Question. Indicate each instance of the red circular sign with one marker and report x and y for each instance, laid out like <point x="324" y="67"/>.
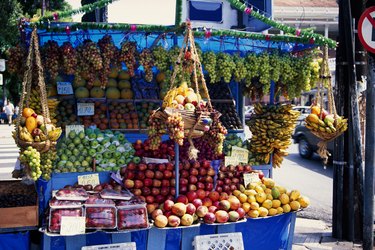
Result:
<point x="366" y="29"/>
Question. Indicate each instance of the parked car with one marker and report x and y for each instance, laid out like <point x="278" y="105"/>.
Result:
<point x="248" y="112"/>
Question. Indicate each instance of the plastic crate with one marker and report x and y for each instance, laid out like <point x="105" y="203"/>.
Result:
<point x="219" y="242"/>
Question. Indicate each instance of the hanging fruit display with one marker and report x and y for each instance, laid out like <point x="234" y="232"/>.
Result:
<point x="128" y="55"/>
<point x="147" y="61"/>
<point x="271" y="127"/>
<point x="51" y="58"/>
<point x="68" y="58"/>
<point x="16" y="58"/>
<point x="108" y="52"/>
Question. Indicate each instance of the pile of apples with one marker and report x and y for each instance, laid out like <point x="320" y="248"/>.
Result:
<point x="195" y="206"/>
<point x="165" y="150"/>
<point x="195" y="175"/>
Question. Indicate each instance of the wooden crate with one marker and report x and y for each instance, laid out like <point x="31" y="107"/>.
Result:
<point x="18" y="216"/>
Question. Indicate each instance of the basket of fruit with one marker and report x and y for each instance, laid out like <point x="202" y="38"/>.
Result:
<point x="184" y="113"/>
<point x="35" y="130"/>
<point x="326" y="125"/>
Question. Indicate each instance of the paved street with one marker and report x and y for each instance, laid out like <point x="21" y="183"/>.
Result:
<point x="311" y="179"/>
<point x="8" y="152"/>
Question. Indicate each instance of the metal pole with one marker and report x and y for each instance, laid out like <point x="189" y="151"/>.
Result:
<point x="368" y="216"/>
<point x="176" y="167"/>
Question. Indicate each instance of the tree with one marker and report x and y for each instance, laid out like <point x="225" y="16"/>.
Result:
<point x="10" y="12"/>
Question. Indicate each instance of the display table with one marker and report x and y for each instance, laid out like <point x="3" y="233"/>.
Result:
<point x="264" y="233"/>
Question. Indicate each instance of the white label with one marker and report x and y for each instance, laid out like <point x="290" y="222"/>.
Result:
<point x="241" y="154"/>
<point x="229" y="160"/>
<point x="119" y="246"/>
<point x="75" y="128"/>
<point x="64" y="88"/>
<point x="72" y="225"/>
<point x="89" y="179"/>
<point x="250" y="178"/>
<point x="85" y="109"/>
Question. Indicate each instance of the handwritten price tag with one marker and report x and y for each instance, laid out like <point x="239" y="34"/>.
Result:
<point x="241" y="154"/>
<point x="64" y="88"/>
<point x="85" y="109"/>
<point x="75" y="128"/>
<point x="250" y="178"/>
<point x="88" y="179"/>
<point x="229" y="160"/>
<point x="71" y="225"/>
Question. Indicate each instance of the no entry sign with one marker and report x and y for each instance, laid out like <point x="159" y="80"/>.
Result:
<point x="366" y="29"/>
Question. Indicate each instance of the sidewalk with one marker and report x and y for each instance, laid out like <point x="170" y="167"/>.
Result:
<point x="316" y="235"/>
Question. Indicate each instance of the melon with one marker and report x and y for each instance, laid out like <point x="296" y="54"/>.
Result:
<point x="126" y="94"/>
<point x="97" y="83"/>
<point x="124" y="84"/>
<point x="113" y="93"/>
<point x="82" y="92"/>
<point x="112" y="83"/>
<point x="96" y="92"/>
<point x="113" y="73"/>
<point x="79" y="82"/>
<point x="123" y="75"/>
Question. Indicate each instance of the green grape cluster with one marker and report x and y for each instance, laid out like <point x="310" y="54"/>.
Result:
<point x="46" y="160"/>
<point x="161" y="57"/>
<point x="224" y="67"/>
<point x="209" y="62"/>
<point x="275" y="67"/>
<point x="30" y="157"/>
<point x="252" y="67"/>
<point x="240" y="71"/>
<point x="264" y="71"/>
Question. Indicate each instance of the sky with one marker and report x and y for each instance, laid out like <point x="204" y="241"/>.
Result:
<point x="160" y="12"/>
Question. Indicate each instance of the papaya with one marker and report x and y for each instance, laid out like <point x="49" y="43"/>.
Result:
<point x="31" y="124"/>
<point x="313" y="118"/>
<point x="275" y="192"/>
<point x="27" y="112"/>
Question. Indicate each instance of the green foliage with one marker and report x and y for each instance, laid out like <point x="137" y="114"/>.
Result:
<point x="10" y="12"/>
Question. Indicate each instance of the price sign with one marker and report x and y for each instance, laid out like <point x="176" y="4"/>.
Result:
<point x="71" y="225"/>
<point x="75" y="128"/>
<point x="89" y="179"/>
<point x="250" y="178"/>
<point x="119" y="246"/>
<point x="64" y="88"/>
<point x="241" y="154"/>
<point x="85" y="109"/>
<point x="229" y="160"/>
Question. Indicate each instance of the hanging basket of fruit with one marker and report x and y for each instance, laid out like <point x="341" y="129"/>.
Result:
<point x="184" y="112"/>
<point x="32" y="129"/>
<point x="327" y="125"/>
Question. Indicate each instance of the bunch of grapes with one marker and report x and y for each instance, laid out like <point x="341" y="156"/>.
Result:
<point x="240" y="71"/>
<point x="108" y="51"/>
<point x="264" y="71"/>
<point x="51" y="56"/>
<point x="92" y="55"/>
<point x="155" y="131"/>
<point x="30" y="157"/>
<point x="275" y="67"/>
<point x="314" y="71"/>
<point x="252" y="66"/>
<point x="224" y="67"/>
<point x="69" y="58"/>
<point x="16" y="59"/>
<point x="147" y="61"/>
<point x="209" y="62"/>
<point x="128" y="55"/>
<point x="161" y="58"/>
<point x="47" y="159"/>
<point x="175" y="126"/>
<point x="216" y="135"/>
<point x="83" y="68"/>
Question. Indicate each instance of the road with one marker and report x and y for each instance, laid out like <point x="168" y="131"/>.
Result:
<point x="8" y="152"/>
<point x="311" y="179"/>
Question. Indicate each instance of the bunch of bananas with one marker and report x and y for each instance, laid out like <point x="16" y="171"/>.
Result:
<point x="327" y="124"/>
<point x="25" y="135"/>
<point x="169" y="97"/>
<point x="272" y="127"/>
<point x="35" y="104"/>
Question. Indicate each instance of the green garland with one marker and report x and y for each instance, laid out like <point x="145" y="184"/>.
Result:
<point x="178" y="12"/>
<point x="306" y="34"/>
<point x="84" y="9"/>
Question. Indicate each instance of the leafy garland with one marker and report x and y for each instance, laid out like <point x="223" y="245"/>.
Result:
<point x="307" y="34"/>
<point x="178" y="12"/>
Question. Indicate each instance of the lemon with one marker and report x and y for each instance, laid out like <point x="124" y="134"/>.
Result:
<point x="263" y="212"/>
<point x="294" y="205"/>
<point x="286" y="208"/>
<point x="254" y="206"/>
<point x="284" y="198"/>
<point x="304" y="201"/>
<point x="276" y="203"/>
<point x="253" y="214"/>
<point x="272" y="211"/>
<point x="260" y="197"/>
<point x="267" y="204"/>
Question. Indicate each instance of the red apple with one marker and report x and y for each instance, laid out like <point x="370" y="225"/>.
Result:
<point x="129" y="183"/>
<point x="142" y="167"/>
<point x="219" y="183"/>
<point x="207" y="202"/>
<point x="168" y="213"/>
<point x="197" y="202"/>
<point x="201" y="211"/>
<point x="173" y="191"/>
<point x="209" y="218"/>
<point x="172" y="182"/>
<point x="150" y="199"/>
<point x="261" y="175"/>
<point x="223" y="169"/>
<point x="157" y="183"/>
<point x="201" y="194"/>
<point x="227" y="181"/>
<point x="209" y="179"/>
<point x="140" y="176"/>
<point x="155" y="191"/>
<point x="200" y="185"/>
<point x="192" y="187"/>
<point x="164" y="191"/>
<point x="219" y="189"/>
<point x="190" y="208"/>
<point x="167" y="174"/>
<point x="149" y="174"/>
<point x="129" y="174"/>
<point x="159" y="175"/>
<point x="233" y="187"/>
<point x="137" y="192"/>
<point x="183" y="189"/>
<point x="214" y="196"/>
<point x="182" y="199"/>
<point x="223" y="196"/>
<point x="202" y="172"/>
<point x="191" y="195"/>
<point x="165" y="183"/>
<point x="169" y="166"/>
<point x="156" y="212"/>
<point x="194" y="171"/>
<point x="209" y="186"/>
<point x="186" y="165"/>
<point x="138" y="184"/>
<point x="196" y="164"/>
<point x="147" y="182"/>
<point x="146" y="191"/>
<point x="151" y="166"/>
<point x="247" y="168"/>
<point x="241" y="212"/>
<point x="193" y="179"/>
<point x="212" y="209"/>
<point x="131" y="166"/>
<point x="239" y="168"/>
<point x="184" y="173"/>
<point x="168" y="204"/>
<point x="206" y="164"/>
<point x="159" y="199"/>
<point x="174" y="221"/>
<point x="161" y="167"/>
<point x="211" y="172"/>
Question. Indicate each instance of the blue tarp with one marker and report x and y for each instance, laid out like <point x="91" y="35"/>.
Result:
<point x="15" y="241"/>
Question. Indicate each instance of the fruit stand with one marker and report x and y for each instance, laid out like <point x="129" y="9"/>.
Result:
<point x="149" y="147"/>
